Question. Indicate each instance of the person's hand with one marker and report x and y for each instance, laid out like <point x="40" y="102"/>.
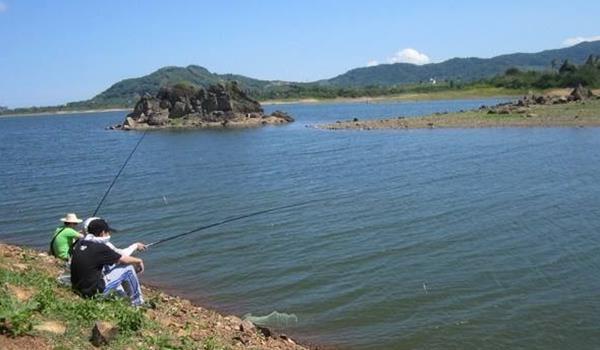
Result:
<point x="140" y="267"/>
<point x="141" y="246"/>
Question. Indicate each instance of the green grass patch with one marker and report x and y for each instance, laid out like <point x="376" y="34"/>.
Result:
<point x="53" y="301"/>
<point x="18" y="317"/>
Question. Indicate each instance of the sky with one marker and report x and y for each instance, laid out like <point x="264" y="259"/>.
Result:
<point x="53" y="52"/>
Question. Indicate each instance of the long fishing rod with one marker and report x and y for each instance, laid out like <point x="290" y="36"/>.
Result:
<point x="119" y="173"/>
<point x="228" y="221"/>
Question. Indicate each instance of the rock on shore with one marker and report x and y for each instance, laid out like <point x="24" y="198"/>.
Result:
<point x="188" y="106"/>
<point x="523" y="105"/>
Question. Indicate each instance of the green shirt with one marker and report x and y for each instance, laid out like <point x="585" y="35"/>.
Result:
<point x="63" y="242"/>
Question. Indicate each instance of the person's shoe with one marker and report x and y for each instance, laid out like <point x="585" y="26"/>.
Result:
<point x="148" y="305"/>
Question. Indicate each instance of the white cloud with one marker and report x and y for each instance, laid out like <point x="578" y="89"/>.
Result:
<point x="3" y="6"/>
<point x="579" y="39"/>
<point x="372" y="63"/>
<point x="409" y="56"/>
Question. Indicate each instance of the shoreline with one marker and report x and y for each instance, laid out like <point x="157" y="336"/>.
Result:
<point x="467" y="93"/>
<point x="475" y="93"/>
<point x="180" y="322"/>
<point x="202" y="301"/>
<point x="408" y="97"/>
<point x="83" y="111"/>
<point x="583" y="113"/>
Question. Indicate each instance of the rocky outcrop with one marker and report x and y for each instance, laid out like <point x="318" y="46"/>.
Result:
<point x="522" y="105"/>
<point x="580" y="94"/>
<point x="183" y="105"/>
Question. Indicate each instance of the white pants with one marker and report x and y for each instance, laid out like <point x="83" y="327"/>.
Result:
<point x="123" y="280"/>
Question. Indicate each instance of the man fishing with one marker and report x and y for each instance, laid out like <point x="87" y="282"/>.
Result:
<point x="132" y="248"/>
<point x="98" y="269"/>
<point x="64" y="236"/>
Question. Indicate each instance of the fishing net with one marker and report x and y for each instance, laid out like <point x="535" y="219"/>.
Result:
<point x="274" y="319"/>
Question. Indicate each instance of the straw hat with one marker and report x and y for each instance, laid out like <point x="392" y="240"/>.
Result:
<point x="71" y="218"/>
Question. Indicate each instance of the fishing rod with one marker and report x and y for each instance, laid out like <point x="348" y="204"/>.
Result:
<point x="119" y="173"/>
<point x="229" y="220"/>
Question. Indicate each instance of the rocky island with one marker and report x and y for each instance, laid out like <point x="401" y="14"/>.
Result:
<point x="188" y="106"/>
<point x="577" y="108"/>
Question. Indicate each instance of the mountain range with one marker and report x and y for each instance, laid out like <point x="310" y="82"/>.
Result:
<point x="128" y="91"/>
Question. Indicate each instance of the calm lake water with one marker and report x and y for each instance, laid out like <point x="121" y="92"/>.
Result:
<point x="419" y="239"/>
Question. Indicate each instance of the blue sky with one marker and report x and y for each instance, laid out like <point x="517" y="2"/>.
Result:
<point x="53" y="52"/>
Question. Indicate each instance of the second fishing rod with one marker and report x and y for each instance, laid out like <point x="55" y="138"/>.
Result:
<point x="228" y="220"/>
<point x="119" y="174"/>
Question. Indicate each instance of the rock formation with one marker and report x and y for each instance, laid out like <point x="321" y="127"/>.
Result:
<point x="522" y="105"/>
<point x="580" y="93"/>
<point x="183" y="105"/>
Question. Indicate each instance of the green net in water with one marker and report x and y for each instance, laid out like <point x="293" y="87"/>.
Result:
<point x="274" y="319"/>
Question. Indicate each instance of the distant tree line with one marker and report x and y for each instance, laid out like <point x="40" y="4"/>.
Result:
<point x="566" y="74"/>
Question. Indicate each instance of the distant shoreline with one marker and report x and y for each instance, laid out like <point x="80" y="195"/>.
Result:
<point x="84" y="111"/>
<point x="424" y="96"/>
<point x="475" y="93"/>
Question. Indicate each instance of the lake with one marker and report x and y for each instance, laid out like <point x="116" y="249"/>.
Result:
<point x="410" y="239"/>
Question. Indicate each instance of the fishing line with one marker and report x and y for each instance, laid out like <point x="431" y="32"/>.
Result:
<point x="119" y="173"/>
<point x="231" y="220"/>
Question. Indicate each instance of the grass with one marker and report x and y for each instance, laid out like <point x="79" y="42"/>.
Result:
<point x="54" y="302"/>
<point x="51" y="301"/>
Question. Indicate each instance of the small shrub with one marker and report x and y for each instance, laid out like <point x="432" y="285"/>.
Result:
<point x="129" y="319"/>
<point x="46" y="297"/>
<point x="15" y="317"/>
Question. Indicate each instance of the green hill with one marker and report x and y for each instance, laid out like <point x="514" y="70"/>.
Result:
<point x="461" y="69"/>
<point x="128" y="91"/>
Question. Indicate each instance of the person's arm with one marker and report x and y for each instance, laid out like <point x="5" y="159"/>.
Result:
<point x="133" y="248"/>
<point x="72" y="234"/>
<point x="120" y="251"/>
<point x="129" y="250"/>
<point x="131" y="260"/>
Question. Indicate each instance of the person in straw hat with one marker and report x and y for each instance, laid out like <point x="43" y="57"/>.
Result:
<point x="64" y="236"/>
